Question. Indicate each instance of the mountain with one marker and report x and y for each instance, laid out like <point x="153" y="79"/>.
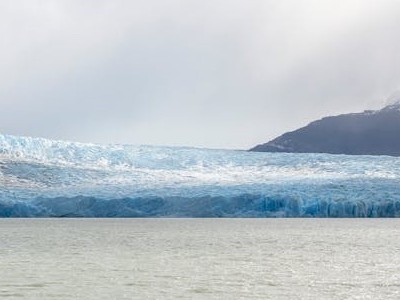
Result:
<point x="372" y="132"/>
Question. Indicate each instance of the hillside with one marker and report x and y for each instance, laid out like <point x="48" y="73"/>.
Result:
<point x="367" y="133"/>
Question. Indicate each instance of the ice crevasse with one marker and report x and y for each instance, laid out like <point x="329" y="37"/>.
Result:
<point x="46" y="178"/>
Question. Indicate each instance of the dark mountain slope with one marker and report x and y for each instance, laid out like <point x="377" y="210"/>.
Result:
<point x="367" y="133"/>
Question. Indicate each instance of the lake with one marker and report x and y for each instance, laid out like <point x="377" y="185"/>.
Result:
<point x="199" y="258"/>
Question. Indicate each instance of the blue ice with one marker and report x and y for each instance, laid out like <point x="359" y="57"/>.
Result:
<point x="46" y="178"/>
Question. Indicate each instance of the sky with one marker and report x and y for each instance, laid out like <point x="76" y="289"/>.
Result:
<point x="203" y="73"/>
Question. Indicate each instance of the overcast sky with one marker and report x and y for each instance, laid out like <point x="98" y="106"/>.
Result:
<point x="205" y="73"/>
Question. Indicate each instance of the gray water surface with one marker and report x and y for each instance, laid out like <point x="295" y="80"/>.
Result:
<point x="199" y="259"/>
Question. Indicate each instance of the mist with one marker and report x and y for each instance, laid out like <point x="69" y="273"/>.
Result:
<point x="194" y="73"/>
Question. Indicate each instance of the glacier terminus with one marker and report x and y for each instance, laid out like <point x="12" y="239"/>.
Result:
<point x="47" y="178"/>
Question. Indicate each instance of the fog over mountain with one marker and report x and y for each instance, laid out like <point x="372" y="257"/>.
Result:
<point x="213" y="74"/>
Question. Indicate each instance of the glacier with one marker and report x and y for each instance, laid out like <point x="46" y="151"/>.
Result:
<point x="46" y="178"/>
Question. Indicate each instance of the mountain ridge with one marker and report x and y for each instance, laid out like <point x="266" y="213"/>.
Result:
<point x="372" y="132"/>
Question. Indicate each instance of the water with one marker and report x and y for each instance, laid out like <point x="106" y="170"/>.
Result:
<point x="199" y="259"/>
<point x="45" y="178"/>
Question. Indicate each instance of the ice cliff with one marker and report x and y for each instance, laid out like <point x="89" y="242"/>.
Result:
<point x="45" y="178"/>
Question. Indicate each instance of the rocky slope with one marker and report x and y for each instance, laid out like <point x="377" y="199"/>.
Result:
<point x="367" y="133"/>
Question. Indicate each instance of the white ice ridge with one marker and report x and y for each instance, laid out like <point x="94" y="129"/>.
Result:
<point x="393" y="100"/>
<point x="40" y="177"/>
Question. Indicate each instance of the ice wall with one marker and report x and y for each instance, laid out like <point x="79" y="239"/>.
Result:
<point x="40" y="178"/>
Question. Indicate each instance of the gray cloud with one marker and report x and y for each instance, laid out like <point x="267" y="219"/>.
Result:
<point x="199" y="73"/>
